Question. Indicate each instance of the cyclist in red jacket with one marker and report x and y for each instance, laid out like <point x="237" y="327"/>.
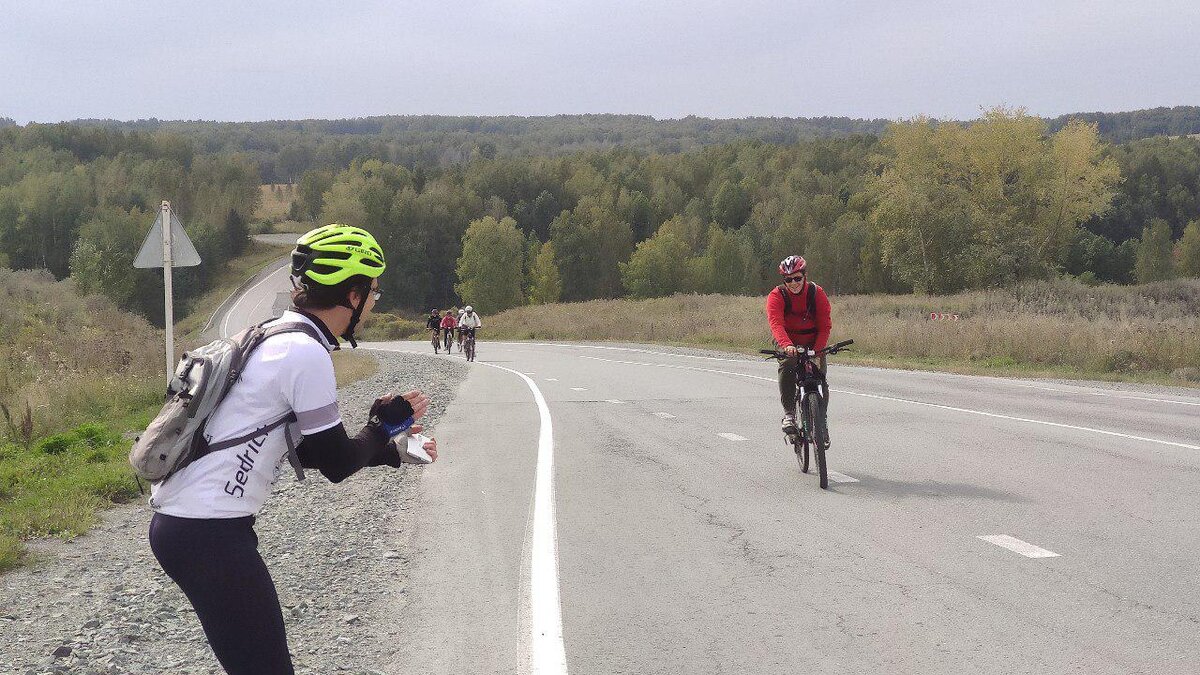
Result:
<point x="798" y="313"/>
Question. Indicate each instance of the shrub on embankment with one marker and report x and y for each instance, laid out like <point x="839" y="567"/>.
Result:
<point x="1061" y="327"/>
<point x="75" y="373"/>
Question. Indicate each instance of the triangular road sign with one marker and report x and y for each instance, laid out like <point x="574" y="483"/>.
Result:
<point x="183" y="253"/>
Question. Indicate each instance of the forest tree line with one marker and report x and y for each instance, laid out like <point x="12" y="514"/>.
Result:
<point x="922" y="206"/>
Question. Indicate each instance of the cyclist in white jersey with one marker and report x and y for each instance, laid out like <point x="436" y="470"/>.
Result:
<point x="202" y="530"/>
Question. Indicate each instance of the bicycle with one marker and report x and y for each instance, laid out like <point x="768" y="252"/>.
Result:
<point x="448" y="338"/>
<point x="812" y="396"/>
<point x="437" y="340"/>
<point x="469" y="343"/>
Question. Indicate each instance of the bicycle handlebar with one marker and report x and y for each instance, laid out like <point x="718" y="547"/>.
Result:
<point x="831" y="349"/>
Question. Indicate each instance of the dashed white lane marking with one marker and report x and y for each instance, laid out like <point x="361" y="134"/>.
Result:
<point x="1060" y="425"/>
<point x="552" y="379"/>
<point x="841" y="477"/>
<point x="530" y="372"/>
<point x="578" y="388"/>
<point x="613" y="400"/>
<point x="664" y="415"/>
<point x="732" y="437"/>
<point x="1017" y="546"/>
<point x="548" y="656"/>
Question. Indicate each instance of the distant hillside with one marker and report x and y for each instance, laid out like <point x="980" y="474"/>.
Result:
<point x="1120" y="127"/>
<point x="284" y="149"/>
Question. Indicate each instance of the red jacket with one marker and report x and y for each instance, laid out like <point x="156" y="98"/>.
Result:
<point x="448" y="322"/>
<point x="798" y="328"/>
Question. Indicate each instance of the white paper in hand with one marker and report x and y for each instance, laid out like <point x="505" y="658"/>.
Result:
<point x="414" y="453"/>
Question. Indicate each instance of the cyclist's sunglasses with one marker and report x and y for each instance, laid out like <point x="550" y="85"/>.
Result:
<point x="794" y="280"/>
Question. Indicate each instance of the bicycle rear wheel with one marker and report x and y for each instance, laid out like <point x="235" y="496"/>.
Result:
<point x="469" y="346"/>
<point x="800" y="445"/>
<point x="816" y="435"/>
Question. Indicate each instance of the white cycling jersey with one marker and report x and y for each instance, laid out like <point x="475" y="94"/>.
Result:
<point x="287" y="372"/>
<point x="470" y="321"/>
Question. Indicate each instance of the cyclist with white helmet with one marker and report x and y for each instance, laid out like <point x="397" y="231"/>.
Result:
<point x="798" y="313"/>
<point x="202" y="531"/>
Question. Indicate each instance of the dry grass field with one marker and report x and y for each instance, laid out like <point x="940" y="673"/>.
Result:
<point x="276" y="202"/>
<point x="1053" y="328"/>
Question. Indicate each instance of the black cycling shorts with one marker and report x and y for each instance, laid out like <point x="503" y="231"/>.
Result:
<point x="216" y="563"/>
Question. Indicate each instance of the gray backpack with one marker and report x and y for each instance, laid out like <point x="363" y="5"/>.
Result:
<point x="204" y="376"/>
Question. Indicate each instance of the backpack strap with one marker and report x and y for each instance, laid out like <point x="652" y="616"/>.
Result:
<point x="811" y="302"/>
<point x="249" y="340"/>
<point x="787" y="301"/>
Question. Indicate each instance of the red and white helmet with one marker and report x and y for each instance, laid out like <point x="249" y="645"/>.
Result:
<point x="793" y="264"/>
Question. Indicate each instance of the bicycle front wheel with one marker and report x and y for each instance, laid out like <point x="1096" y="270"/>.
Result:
<point x="816" y="434"/>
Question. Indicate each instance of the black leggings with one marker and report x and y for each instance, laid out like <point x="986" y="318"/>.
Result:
<point x="216" y="563"/>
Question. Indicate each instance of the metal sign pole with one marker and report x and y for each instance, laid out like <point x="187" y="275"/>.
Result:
<point x="169" y="315"/>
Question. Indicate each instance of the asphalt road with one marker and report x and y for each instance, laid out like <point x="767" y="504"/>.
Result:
<point x="649" y="519"/>
<point x="689" y="542"/>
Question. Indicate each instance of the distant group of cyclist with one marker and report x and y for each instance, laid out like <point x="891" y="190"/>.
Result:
<point x="452" y="326"/>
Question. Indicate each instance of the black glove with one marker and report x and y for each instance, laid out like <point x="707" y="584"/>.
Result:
<point x="392" y="417"/>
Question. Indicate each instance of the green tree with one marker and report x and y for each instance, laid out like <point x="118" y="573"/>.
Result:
<point x="727" y="265"/>
<point x="1187" y="251"/>
<point x="986" y="204"/>
<point x="236" y="233"/>
<point x="545" y="286"/>
<point x="1154" y="253"/>
<point x="657" y="267"/>
<point x="102" y="260"/>
<point x="489" y="269"/>
<point x="589" y="244"/>
<point x="311" y="193"/>
<point x="731" y="205"/>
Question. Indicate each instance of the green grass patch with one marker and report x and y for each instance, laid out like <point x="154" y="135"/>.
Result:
<point x="56" y="486"/>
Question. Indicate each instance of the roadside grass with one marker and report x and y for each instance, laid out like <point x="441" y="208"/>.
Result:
<point x="1060" y="328"/>
<point x="76" y="374"/>
<point x="292" y="226"/>
<point x="350" y="366"/>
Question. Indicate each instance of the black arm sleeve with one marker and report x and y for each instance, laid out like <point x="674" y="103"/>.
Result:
<point x="338" y="456"/>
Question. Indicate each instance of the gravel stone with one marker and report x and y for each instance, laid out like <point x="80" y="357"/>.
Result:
<point x="336" y="574"/>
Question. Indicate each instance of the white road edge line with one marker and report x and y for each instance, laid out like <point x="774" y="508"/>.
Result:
<point x="1017" y="546"/>
<point x="841" y="477"/>
<point x="1060" y="425"/>
<point x="229" y="312"/>
<point x="578" y="388"/>
<point x="552" y="379"/>
<point x="613" y="400"/>
<point x="732" y="437"/>
<point x="547" y="652"/>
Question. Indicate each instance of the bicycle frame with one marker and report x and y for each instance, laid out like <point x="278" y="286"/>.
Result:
<point x="812" y="397"/>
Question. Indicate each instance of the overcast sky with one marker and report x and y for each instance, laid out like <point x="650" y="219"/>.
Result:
<point x="267" y="59"/>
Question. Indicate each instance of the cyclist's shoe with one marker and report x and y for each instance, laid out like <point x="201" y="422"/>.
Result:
<point x="789" y="425"/>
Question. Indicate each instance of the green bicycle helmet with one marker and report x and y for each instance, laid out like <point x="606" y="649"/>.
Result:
<point x="333" y="253"/>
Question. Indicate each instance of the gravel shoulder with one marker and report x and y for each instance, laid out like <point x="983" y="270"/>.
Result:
<point x="338" y="553"/>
